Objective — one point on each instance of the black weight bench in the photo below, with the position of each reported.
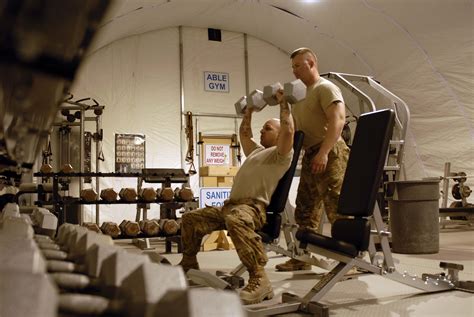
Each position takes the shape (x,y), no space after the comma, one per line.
(352,236)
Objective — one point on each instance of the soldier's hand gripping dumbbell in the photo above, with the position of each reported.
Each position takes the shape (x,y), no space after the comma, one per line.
(293,92)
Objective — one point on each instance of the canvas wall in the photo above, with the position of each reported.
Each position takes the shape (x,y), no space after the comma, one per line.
(138,81)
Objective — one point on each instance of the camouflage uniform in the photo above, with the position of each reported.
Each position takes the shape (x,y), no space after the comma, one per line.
(241,219)
(314,190)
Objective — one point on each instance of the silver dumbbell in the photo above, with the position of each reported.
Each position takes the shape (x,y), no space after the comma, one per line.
(254,99)
(269,93)
(240,105)
(294,91)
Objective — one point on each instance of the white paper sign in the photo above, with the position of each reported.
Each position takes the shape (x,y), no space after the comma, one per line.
(218,82)
(217,154)
(213,196)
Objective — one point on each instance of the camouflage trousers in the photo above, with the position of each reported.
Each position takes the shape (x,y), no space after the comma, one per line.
(240,218)
(320,191)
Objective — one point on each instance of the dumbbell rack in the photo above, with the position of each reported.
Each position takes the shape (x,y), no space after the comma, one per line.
(168,209)
(164,176)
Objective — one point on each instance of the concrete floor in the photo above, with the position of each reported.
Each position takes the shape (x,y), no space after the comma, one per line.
(367,295)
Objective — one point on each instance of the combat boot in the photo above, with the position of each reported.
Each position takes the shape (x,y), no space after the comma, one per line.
(293,265)
(188,262)
(257,289)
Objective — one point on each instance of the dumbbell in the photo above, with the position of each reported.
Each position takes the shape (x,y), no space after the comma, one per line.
(88,250)
(20,252)
(78,253)
(22,225)
(27,294)
(34,187)
(107,267)
(46,168)
(129,228)
(269,93)
(92,226)
(114,268)
(150,227)
(67,169)
(293,91)
(110,228)
(128,194)
(169,226)
(88,195)
(10,210)
(76,244)
(183,194)
(254,99)
(108,194)
(34,294)
(17,234)
(130,277)
(147,194)
(165,194)
(136,294)
(44,221)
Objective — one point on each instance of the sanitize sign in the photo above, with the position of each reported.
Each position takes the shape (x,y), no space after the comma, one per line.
(213,196)
(217,82)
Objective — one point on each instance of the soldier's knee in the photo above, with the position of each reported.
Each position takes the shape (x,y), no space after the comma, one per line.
(231,222)
(186,220)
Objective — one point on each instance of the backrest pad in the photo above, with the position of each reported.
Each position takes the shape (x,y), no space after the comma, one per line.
(280,195)
(271,229)
(366,162)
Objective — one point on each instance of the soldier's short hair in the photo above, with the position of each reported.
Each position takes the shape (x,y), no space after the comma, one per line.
(303,50)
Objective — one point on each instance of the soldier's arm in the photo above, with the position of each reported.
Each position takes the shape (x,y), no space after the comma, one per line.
(287,126)
(245,132)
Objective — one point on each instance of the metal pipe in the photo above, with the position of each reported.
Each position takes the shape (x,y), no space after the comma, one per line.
(246,65)
(72,124)
(97,168)
(78,106)
(447,171)
(352,88)
(456,177)
(220,115)
(81,164)
(181,92)
(68,148)
(60,148)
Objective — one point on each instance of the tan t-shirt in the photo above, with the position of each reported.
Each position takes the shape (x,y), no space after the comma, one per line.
(258,177)
(310,113)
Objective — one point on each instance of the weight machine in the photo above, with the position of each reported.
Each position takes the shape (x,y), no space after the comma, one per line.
(81,108)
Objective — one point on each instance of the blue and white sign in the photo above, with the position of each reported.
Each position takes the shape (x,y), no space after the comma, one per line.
(213,196)
(217,82)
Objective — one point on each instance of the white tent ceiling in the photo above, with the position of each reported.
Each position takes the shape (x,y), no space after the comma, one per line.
(421,50)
